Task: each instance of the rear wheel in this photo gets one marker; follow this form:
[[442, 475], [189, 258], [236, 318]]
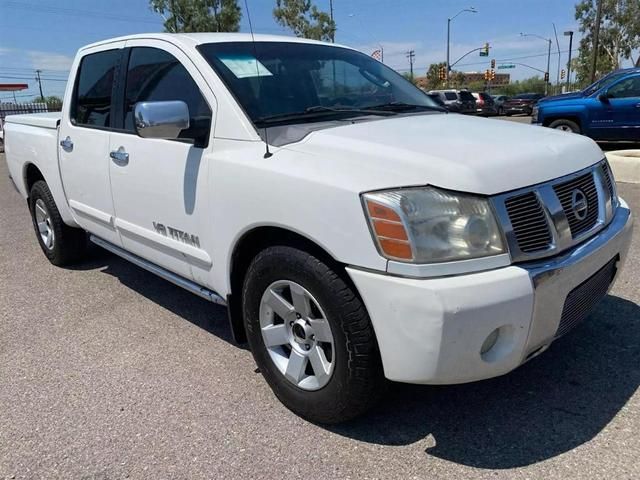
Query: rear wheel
[[311, 336], [60, 243], [565, 126]]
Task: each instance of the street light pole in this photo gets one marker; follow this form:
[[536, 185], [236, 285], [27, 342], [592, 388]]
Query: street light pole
[[470, 10], [570, 35], [548, 40]]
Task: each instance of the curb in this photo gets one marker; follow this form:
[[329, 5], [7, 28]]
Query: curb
[[625, 165]]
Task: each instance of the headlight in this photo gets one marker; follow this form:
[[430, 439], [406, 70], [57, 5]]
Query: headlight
[[426, 225], [534, 114]]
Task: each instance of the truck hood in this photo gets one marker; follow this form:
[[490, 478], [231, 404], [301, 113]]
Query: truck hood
[[451, 151], [563, 97]]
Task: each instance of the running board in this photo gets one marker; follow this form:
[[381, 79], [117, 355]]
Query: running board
[[161, 272]]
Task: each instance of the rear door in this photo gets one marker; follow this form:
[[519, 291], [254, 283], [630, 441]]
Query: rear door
[[161, 191], [624, 100], [85, 132]]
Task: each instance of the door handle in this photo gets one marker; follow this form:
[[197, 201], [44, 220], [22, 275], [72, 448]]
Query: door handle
[[120, 156], [66, 144]]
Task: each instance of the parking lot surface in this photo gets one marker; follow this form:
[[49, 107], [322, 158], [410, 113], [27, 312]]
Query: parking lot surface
[[108, 372]]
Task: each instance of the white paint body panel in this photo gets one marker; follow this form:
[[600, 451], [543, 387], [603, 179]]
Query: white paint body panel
[[428, 330]]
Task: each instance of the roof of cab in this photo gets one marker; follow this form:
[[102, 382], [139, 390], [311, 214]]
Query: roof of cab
[[194, 39]]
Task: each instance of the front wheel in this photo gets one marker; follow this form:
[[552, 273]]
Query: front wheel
[[311, 336], [565, 126]]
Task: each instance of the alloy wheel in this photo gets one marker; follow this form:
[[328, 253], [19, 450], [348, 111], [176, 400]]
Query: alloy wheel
[[297, 335]]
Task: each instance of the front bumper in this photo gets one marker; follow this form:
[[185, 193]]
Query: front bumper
[[432, 331]]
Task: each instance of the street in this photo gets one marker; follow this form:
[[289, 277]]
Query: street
[[109, 372]]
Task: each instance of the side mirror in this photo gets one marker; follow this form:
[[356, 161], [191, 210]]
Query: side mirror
[[604, 97], [161, 119]]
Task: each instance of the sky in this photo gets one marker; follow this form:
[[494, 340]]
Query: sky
[[45, 34]]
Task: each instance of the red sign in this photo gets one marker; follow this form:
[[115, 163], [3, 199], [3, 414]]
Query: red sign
[[13, 87]]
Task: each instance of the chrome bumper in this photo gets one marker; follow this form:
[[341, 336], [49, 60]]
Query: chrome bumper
[[554, 278]]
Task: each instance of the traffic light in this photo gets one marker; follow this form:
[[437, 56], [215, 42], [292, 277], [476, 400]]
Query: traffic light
[[493, 74], [487, 75], [442, 73], [562, 73], [485, 50], [493, 63], [546, 76]]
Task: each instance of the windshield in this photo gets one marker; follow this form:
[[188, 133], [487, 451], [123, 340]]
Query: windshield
[[316, 80], [603, 82], [528, 96]]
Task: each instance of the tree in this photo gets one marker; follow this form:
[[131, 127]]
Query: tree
[[51, 100], [198, 15], [304, 19], [619, 36]]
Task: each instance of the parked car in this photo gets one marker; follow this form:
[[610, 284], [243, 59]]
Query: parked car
[[521, 104], [436, 98], [499, 101], [608, 110], [457, 101], [349, 242], [485, 106]]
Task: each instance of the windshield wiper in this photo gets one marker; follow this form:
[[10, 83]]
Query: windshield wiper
[[319, 111], [405, 107]]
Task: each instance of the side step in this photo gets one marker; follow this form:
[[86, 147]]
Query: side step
[[161, 272]]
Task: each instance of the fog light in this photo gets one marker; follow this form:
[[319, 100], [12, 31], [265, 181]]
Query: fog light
[[490, 341]]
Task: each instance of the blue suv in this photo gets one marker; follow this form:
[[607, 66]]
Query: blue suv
[[608, 110]]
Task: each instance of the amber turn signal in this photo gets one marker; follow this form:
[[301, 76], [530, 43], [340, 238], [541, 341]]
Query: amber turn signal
[[389, 231]]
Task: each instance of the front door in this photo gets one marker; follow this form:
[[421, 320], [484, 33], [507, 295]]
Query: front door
[[85, 140], [624, 98], [160, 186]]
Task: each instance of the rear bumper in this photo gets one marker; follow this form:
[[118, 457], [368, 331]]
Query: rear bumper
[[432, 330]]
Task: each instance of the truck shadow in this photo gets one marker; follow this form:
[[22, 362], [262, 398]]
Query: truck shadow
[[198, 311], [549, 406]]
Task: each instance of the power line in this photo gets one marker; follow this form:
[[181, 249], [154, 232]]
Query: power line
[[38, 8]]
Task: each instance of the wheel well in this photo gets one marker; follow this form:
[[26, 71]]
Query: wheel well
[[549, 120], [31, 175], [245, 251]]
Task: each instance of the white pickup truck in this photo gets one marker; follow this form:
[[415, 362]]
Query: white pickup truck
[[354, 229]]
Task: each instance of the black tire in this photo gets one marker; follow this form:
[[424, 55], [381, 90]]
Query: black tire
[[500, 111], [69, 243], [357, 380], [509, 114], [558, 124]]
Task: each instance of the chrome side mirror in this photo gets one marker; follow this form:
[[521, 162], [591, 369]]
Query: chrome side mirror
[[161, 119]]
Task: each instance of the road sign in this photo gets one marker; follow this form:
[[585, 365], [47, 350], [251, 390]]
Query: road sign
[[483, 53], [508, 65]]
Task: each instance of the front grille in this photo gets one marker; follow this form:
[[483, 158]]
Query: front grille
[[582, 299], [607, 178], [529, 222], [565, 192]]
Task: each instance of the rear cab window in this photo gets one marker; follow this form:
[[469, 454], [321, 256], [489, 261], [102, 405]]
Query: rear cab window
[[92, 98], [450, 96]]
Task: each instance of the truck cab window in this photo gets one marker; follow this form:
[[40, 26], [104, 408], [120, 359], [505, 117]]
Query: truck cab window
[[91, 104], [628, 88], [156, 75]]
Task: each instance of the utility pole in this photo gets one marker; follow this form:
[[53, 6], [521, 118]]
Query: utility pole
[[411, 54], [333, 33], [39, 83], [570, 35], [596, 39]]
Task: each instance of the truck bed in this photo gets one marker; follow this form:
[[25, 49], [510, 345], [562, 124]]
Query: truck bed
[[43, 120]]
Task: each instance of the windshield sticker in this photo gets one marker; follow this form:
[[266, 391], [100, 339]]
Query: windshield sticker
[[245, 66]]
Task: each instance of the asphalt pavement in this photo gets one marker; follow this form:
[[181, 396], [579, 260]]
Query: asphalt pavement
[[107, 372]]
